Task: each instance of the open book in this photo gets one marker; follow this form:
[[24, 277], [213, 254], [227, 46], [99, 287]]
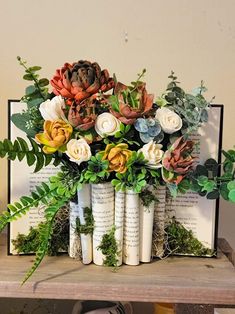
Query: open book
[[192, 211], [22, 181]]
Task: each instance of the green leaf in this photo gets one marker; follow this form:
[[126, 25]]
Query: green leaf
[[202, 180], [228, 156], [34, 68], [213, 195], [231, 185], [28, 77], [43, 82], [228, 166], [224, 191], [231, 195]]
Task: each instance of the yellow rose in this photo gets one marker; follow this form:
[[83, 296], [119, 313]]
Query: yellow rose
[[56, 134], [117, 155]]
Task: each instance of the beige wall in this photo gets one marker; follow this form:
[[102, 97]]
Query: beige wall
[[194, 38]]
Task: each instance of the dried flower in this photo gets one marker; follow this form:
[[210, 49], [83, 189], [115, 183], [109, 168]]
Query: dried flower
[[131, 102], [56, 134], [117, 155], [177, 161], [80, 80]]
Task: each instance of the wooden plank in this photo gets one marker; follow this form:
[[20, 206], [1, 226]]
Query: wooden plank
[[173, 280]]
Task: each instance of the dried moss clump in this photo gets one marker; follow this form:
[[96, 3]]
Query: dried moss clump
[[59, 241], [109, 248], [89, 222], [182, 241]]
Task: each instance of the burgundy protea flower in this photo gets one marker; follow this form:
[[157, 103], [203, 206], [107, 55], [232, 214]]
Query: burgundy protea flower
[[178, 161], [132, 102], [80, 80]]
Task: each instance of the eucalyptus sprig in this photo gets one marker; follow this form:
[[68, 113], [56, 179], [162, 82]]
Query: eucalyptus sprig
[[38, 91]]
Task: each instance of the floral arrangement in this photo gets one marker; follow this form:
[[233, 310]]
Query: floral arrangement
[[98, 129]]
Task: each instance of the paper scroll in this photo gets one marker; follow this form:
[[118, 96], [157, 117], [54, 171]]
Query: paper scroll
[[131, 229], [103, 213], [119, 219], [159, 222], [74, 238], [84, 201], [146, 231]]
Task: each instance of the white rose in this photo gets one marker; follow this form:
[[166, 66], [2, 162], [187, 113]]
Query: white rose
[[153, 154], [52, 109], [169, 120], [106, 124], [78, 150]]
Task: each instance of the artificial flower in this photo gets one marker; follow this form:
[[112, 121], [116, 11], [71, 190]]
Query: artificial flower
[[149, 129], [106, 124], [117, 155], [78, 150], [153, 154], [56, 134], [82, 117], [131, 102], [178, 161], [169, 120], [80, 80], [53, 109]]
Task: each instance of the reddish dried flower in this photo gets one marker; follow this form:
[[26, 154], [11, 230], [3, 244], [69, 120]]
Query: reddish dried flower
[[132, 102], [178, 161], [80, 80], [82, 117]]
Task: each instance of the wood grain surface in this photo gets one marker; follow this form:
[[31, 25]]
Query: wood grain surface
[[173, 280]]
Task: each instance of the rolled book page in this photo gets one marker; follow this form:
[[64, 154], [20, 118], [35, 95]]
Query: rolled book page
[[131, 245], [103, 214], [159, 222], [84, 204], [118, 221], [75, 249], [146, 231]]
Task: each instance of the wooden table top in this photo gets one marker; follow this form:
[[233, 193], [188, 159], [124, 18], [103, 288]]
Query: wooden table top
[[173, 280]]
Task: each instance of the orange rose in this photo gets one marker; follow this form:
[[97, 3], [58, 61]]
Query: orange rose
[[117, 155], [56, 134]]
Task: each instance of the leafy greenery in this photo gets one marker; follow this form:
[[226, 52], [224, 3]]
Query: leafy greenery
[[59, 240], [191, 108], [45, 232], [206, 181], [109, 248], [134, 177], [20, 149], [182, 241], [16, 210], [97, 169], [30, 120], [88, 227]]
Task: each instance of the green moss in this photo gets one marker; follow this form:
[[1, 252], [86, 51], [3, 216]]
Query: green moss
[[89, 222], [59, 241], [182, 241], [109, 248], [147, 197]]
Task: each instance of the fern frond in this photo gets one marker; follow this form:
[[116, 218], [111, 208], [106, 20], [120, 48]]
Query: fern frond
[[21, 150], [45, 233], [43, 194]]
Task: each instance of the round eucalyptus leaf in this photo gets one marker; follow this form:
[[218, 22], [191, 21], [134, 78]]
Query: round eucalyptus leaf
[[151, 122], [154, 130], [141, 125], [145, 137], [159, 138], [231, 185], [231, 195], [213, 195]]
